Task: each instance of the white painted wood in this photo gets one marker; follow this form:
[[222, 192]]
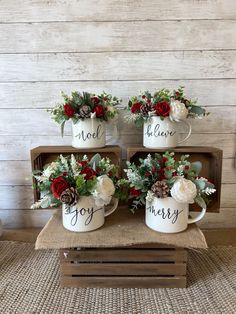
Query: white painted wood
[[21, 197], [19, 172], [127, 65], [38, 122], [47, 94], [112, 36], [122, 47], [122, 10], [27, 218], [18, 147]]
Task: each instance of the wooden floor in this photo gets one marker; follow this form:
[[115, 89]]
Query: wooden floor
[[213, 236]]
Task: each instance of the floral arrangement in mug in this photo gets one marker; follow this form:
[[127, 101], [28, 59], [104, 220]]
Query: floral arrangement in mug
[[165, 104], [80, 106], [163, 176], [66, 179]]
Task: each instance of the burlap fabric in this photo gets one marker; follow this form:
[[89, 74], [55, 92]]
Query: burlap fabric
[[29, 283], [122, 228]]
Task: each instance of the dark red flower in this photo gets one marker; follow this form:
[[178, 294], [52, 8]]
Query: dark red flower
[[147, 174], [69, 111], [99, 111], [177, 94], [174, 174], [105, 98], [161, 174], [154, 169], [59, 185], [162, 108], [65, 174], [89, 173], [186, 167], [143, 97], [83, 163], [136, 107], [133, 192], [110, 173], [164, 159], [149, 100], [95, 99]]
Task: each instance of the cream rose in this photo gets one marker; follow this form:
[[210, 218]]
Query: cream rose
[[184, 191], [104, 190], [178, 111]]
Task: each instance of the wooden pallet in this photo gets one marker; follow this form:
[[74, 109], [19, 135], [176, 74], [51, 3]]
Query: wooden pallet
[[152, 266]]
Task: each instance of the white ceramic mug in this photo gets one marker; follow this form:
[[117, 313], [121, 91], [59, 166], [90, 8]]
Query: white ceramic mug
[[168, 216], [85, 215], [88, 133], [159, 133]]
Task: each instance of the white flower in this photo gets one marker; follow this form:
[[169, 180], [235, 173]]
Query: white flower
[[150, 196], [178, 111], [184, 191], [104, 190]]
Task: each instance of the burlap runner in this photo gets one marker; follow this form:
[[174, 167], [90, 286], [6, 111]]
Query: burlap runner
[[122, 228], [29, 283]]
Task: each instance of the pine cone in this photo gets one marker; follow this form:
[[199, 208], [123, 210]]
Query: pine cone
[[84, 111], [145, 108], [160, 189], [69, 197]]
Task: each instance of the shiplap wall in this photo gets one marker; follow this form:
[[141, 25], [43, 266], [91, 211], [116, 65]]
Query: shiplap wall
[[122, 47]]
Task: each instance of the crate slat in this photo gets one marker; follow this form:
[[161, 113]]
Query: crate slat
[[125, 269], [124, 282], [124, 255]]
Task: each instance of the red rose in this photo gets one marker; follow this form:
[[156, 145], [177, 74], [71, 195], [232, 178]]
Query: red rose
[[99, 111], [174, 174], [69, 111], [136, 107], [162, 108], [134, 192], [143, 97], [59, 185], [89, 173]]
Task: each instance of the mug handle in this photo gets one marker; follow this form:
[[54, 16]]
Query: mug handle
[[189, 132], [113, 208], [199, 217]]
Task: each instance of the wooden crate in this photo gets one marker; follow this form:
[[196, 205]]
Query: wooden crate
[[210, 157], [149, 266], [43, 155]]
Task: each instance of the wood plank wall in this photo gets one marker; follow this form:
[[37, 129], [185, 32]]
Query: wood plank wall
[[120, 46]]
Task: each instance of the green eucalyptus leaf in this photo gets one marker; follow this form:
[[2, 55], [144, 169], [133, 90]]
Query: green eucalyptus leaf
[[198, 110], [200, 201], [200, 184], [196, 166], [95, 160]]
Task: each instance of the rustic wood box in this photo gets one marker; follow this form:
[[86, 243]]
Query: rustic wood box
[[143, 266], [210, 157], [42, 155]]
